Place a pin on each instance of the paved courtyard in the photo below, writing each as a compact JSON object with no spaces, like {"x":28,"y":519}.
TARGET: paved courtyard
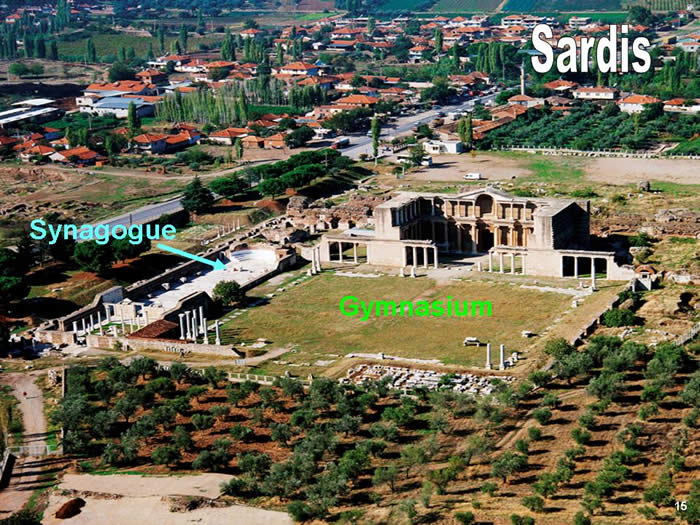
{"x":244,"y":266}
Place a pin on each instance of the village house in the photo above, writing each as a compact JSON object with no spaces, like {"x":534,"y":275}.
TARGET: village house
{"x":595,"y":93}
{"x":228,"y":136}
{"x":636,"y":103}
{"x":152,"y":76}
{"x":300,"y":68}
{"x":275,"y":141}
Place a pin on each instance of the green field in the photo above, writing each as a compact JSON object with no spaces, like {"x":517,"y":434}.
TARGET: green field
{"x":308,"y":317}
{"x":109,"y":44}
{"x":532,"y":6}
{"x":468,"y":6}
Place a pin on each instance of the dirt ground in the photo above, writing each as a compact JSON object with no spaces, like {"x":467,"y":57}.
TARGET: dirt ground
{"x":630,"y":171}
{"x":26,"y":471}
{"x":145,"y":497}
{"x":452,"y":168}
{"x":206,"y":485}
{"x":154,"y":509}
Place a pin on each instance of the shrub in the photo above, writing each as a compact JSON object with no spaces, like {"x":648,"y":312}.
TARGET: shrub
{"x":542,"y":415}
{"x":640,"y":240}
{"x":489,"y":488}
{"x":533,"y":503}
{"x":618,"y":317}
{"x":300,"y":511}
{"x":581,"y":436}
{"x":581,"y":519}
{"x":465,"y":518}
{"x":534,"y":433}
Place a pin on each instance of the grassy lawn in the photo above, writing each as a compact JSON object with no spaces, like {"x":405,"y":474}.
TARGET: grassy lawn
{"x":109,"y":44}
{"x":308,"y":316}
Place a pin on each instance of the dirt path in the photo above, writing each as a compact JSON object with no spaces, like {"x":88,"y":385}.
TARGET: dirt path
{"x":26,"y":471}
{"x":145,"y":497}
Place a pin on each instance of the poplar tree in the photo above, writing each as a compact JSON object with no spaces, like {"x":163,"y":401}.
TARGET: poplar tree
{"x":161,"y":39}
{"x":238,"y":148}
{"x":376,"y":131}
{"x":90,"y":51}
{"x":438,"y":40}
{"x":183,"y":38}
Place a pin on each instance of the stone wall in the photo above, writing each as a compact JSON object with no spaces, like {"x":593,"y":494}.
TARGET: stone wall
{"x":162,"y":345}
{"x":55,"y":337}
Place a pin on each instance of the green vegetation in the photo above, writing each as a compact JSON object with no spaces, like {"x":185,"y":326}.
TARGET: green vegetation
{"x":591,"y":128}
{"x":538,"y":6}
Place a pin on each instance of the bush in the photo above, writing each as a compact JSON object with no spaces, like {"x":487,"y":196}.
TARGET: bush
{"x":465,"y":518}
{"x":534,"y":433}
{"x":233,"y":487}
{"x":640,"y":240}
{"x":489,"y":488}
{"x":300,"y":511}
{"x":533,"y":503}
{"x":617,"y":317}
{"x":542,"y":415}
{"x":581,"y":519}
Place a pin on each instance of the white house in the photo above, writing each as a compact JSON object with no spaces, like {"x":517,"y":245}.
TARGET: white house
{"x":636,"y":103}
{"x":438,"y":147}
{"x":595,"y":93}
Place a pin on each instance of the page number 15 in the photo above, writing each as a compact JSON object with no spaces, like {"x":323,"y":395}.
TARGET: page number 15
{"x":681,"y":505}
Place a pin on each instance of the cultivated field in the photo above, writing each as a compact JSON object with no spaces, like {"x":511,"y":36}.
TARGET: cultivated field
{"x":525,"y":6}
{"x":456,"y":6}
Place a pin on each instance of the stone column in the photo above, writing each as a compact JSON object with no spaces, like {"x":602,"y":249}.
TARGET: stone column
{"x":354,"y":252}
{"x":83,"y":322}
{"x":523,"y":258}
{"x":415,"y":256}
{"x":75,"y":326}
{"x":435,"y":257}
{"x":593,"y":287}
{"x":187,"y":325}
{"x":99,"y":323}
{"x":490,"y":261}
{"x":114,"y":331}
{"x":202,"y":326}
{"x":194,"y":329}
{"x":92,"y":323}
{"x":182,"y":326}
{"x":500,"y":262}
{"x":401,"y":272}
{"x":425,"y":257}
{"x":512,"y":263}
{"x":575,"y":267}
{"x":340,"y":251}
{"x":488,"y":356}
{"x":123,"y":326}
{"x":108,"y":312}
{"x":413,"y":271}
{"x":218,"y":334}
{"x":318,"y":259}
{"x":503,"y":357}
{"x":404,"y":262}
{"x":206,"y":332}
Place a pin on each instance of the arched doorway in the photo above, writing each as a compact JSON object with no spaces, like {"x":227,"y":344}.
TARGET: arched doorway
{"x":485,"y":204}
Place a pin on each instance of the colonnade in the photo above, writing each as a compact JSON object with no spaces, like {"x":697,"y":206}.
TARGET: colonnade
{"x":414,"y":254}
{"x":501,"y":261}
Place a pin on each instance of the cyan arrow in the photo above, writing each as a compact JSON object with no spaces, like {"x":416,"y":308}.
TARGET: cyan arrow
{"x":218,"y":265}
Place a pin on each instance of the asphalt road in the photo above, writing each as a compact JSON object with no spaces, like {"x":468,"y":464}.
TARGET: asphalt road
{"x":359,"y":144}
{"x":363,"y":144}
